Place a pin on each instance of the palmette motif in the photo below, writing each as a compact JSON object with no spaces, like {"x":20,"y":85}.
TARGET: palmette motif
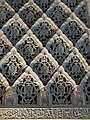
{"x":73,"y":28}
{"x":76,"y":66}
{"x":29,"y":47}
{"x":58,"y":12}
{"x":59,"y":46}
{"x":61,"y":89}
{"x":14,"y":29}
{"x":44,"y":29}
{"x":12,"y":66}
{"x":30,"y":12}
{"x":27,"y":89}
{"x":44,"y":65}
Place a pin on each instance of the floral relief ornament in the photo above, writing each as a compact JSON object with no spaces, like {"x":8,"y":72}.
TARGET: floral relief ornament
{"x":61,"y":89}
{"x":58,"y":12}
{"x":59,"y":46}
{"x":44,"y":29}
{"x":27,"y":89}
{"x":44,"y":65}
{"x":14,"y":29}
{"x":30,"y":12}
{"x":12,"y":66}
{"x":73,"y":28}
{"x":29,"y":47}
{"x":76,"y":66}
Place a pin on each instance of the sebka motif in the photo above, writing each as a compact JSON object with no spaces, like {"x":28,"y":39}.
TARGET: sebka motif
{"x":44,"y":53}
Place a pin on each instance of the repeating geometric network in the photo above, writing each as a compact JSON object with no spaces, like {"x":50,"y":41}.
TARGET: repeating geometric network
{"x":44,"y":53}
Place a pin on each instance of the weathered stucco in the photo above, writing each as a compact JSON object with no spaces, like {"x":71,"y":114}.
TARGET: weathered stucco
{"x":44,"y":59}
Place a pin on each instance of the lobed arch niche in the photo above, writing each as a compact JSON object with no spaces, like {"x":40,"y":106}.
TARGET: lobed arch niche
{"x":61,"y":89}
{"x":27,"y":89}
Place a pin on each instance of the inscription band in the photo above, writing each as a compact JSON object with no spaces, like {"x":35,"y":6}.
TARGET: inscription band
{"x":45,"y":113}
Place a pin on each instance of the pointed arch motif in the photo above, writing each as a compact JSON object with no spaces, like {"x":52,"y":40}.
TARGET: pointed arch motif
{"x":61,"y":89}
{"x":27,"y":89}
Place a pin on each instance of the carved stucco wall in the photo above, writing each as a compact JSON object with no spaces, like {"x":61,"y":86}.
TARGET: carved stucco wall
{"x":44,"y":53}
